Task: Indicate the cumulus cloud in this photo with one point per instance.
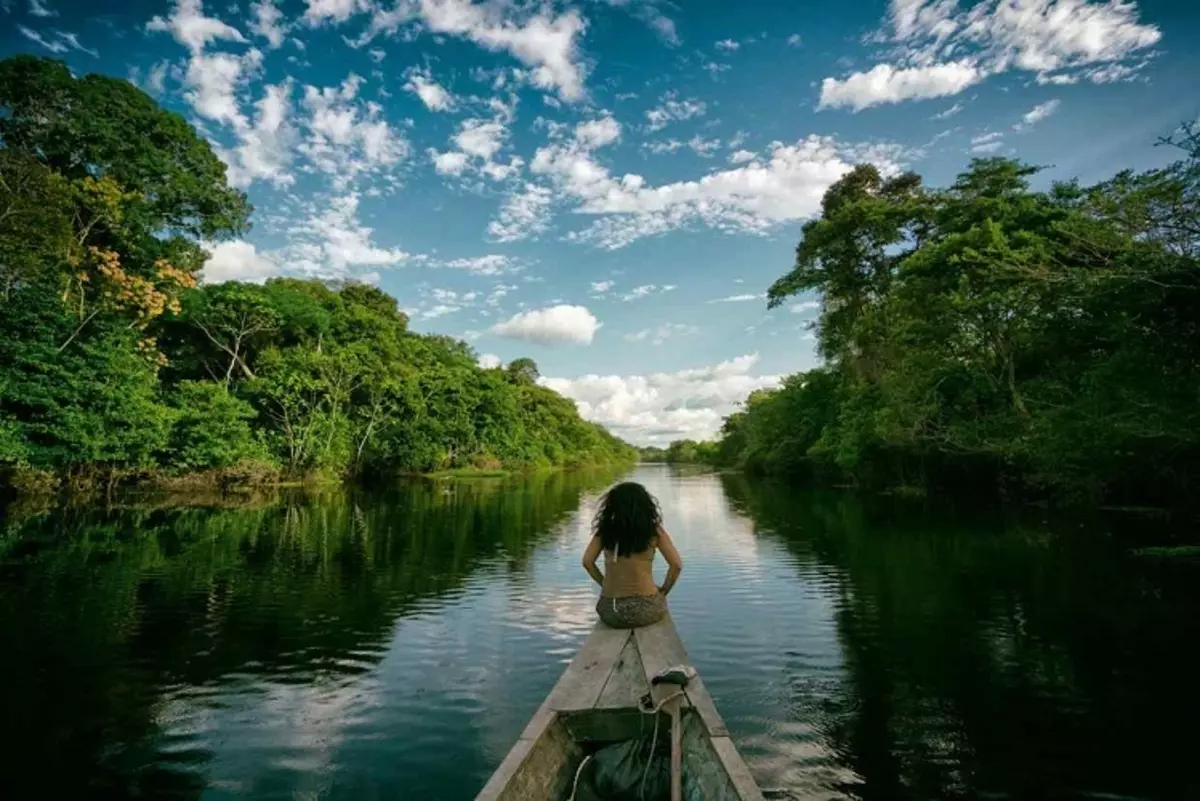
(348, 138)
(267, 22)
(672, 109)
(264, 149)
(1058, 40)
(545, 42)
(525, 214)
(597, 133)
(477, 143)
(600, 287)
(785, 185)
(435, 96)
(728, 45)
(191, 28)
(238, 260)
(334, 242)
(489, 361)
(660, 407)
(551, 326)
(887, 84)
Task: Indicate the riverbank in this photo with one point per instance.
(241, 478)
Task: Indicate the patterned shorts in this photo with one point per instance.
(632, 611)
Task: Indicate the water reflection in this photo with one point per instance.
(394, 644)
(164, 652)
(984, 658)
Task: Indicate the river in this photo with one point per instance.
(392, 644)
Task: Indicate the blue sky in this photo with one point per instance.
(609, 186)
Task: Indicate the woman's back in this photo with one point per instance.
(629, 574)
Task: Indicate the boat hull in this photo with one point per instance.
(596, 702)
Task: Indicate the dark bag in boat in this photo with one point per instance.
(615, 773)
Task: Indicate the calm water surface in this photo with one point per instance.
(393, 644)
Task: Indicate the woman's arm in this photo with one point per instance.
(674, 563)
(590, 555)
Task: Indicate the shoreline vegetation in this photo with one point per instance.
(990, 339)
(118, 368)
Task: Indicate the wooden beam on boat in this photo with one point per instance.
(584, 679)
(660, 648)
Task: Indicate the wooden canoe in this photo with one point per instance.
(596, 702)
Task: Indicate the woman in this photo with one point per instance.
(628, 529)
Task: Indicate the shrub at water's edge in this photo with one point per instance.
(117, 367)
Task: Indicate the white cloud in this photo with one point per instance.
(600, 287)
(478, 141)
(597, 133)
(950, 112)
(489, 361)
(321, 11)
(795, 40)
(34, 36)
(804, 306)
(435, 96)
(671, 109)
(1057, 39)
(648, 12)
(737, 298)
(449, 163)
(156, 78)
(335, 241)
(660, 334)
(238, 260)
(887, 84)
(551, 326)
(491, 264)
(545, 43)
(1037, 114)
(786, 185)
(267, 23)
(987, 142)
(346, 137)
(660, 407)
(39, 9)
(727, 45)
(192, 29)
(525, 214)
(264, 149)
(645, 290)
(213, 80)
(741, 157)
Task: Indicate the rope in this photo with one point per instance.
(653, 738)
(578, 773)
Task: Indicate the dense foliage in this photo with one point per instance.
(990, 335)
(113, 360)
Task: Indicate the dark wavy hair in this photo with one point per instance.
(628, 519)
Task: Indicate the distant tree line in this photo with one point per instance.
(114, 362)
(988, 335)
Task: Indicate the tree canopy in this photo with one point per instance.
(991, 334)
(114, 360)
